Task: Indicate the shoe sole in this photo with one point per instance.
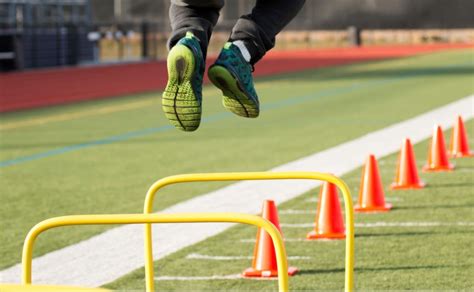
(179, 101)
(234, 98)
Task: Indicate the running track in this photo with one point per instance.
(40, 88)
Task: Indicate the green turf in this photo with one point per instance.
(393, 258)
(302, 113)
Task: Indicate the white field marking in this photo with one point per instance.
(197, 256)
(214, 277)
(106, 257)
(386, 224)
(412, 224)
(312, 200)
(316, 199)
(393, 199)
(464, 169)
(388, 199)
(253, 240)
(199, 278)
(248, 240)
(296, 212)
(297, 225)
(363, 225)
(385, 162)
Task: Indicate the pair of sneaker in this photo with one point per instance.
(182, 98)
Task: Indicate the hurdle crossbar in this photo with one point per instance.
(237, 176)
(156, 218)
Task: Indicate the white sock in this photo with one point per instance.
(243, 50)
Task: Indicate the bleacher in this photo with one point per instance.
(47, 33)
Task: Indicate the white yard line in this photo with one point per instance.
(197, 256)
(316, 199)
(252, 240)
(209, 278)
(203, 278)
(312, 200)
(412, 224)
(297, 225)
(393, 199)
(116, 252)
(465, 170)
(296, 212)
(386, 224)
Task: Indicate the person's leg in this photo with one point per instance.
(196, 16)
(259, 28)
(252, 36)
(192, 23)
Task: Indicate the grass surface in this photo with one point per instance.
(394, 258)
(101, 156)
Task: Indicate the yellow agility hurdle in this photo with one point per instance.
(46, 288)
(202, 177)
(155, 218)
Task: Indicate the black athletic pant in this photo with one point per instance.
(257, 29)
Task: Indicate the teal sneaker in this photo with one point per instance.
(182, 98)
(233, 75)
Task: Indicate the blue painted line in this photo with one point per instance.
(213, 118)
(144, 132)
(74, 147)
(331, 93)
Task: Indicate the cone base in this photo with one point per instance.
(253, 273)
(395, 186)
(428, 168)
(313, 235)
(461, 154)
(372, 209)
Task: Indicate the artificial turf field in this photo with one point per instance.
(387, 258)
(100, 157)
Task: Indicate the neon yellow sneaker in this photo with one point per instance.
(233, 75)
(182, 98)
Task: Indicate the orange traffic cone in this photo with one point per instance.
(459, 146)
(371, 194)
(264, 263)
(437, 157)
(407, 173)
(329, 222)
